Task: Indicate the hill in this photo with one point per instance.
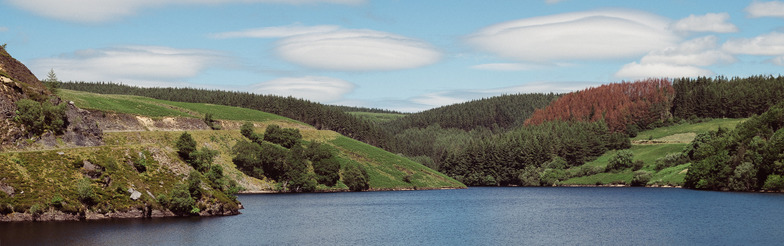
(386, 170)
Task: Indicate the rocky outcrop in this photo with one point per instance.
(82, 130)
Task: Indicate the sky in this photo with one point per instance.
(401, 55)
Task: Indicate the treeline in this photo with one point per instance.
(726, 98)
(429, 136)
(315, 114)
(493, 113)
(532, 155)
(622, 105)
(363, 109)
(749, 158)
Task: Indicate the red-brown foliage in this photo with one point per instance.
(619, 104)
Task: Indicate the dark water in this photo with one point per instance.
(476, 216)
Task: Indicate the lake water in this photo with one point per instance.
(475, 216)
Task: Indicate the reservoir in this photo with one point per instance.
(474, 216)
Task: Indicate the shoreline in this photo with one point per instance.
(57, 215)
(346, 190)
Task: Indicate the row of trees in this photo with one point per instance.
(622, 105)
(720, 97)
(751, 157)
(504, 112)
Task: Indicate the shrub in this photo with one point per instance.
(211, 122)
(670, 160)
(284, 137)
(641, 178)
(84, 191)
(621, 160)
(185, 146)
(181, 201)
(637, 165)
(194, 184)
(57, 201)
(202, 160)
(774, 183)
(551, 177)
(529, 176)
(215, 176)
(356, 178)
(40, 117)
(327, 171)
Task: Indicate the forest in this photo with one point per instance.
(530, 139)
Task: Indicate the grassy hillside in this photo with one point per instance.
(648, 146)
(386, 170)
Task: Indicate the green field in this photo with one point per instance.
(665, 140)
(145, 106)
(696, 128)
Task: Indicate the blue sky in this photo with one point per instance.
(399, 55)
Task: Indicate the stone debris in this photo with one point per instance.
(134, 194)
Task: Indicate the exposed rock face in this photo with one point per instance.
(17, 82)
(82, 129)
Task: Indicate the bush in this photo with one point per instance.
(621, 160)
(670, 160)
(327, 171)
(40, 117)
(185, 146)
(637, 165)
(284, 137)
(211, 122)
(181, 201)
(356, 178)
(84, 191)
(774, 183)
(215, 176)
(194, 184)
(202, 160)
(641, 178)
(57, 201)
(551, 177)
(529, 176)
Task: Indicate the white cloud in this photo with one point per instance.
(711, 22)
(778, 60)
(276, 32)
(591, 35)
(553, 1)
(129, 64)
(356, 50)
(635, 70)
(765, 9)
(104, 10)
(684, 60)
(771, 44)
(320, 89)
(508, 66)
(698, 52)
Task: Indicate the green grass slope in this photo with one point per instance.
(648, 146)
(386, 170)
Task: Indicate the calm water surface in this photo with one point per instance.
(475, 216)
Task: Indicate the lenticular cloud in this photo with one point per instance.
(592, 35)
(356, 50)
